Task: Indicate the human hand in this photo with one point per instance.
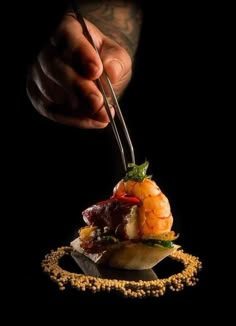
(61, 83)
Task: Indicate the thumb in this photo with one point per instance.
(116, 61)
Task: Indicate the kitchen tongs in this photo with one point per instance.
(110, 100)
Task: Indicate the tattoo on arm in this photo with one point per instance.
(117, 19)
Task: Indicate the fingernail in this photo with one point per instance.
(95, 101)
(93, 68)
(117, 67)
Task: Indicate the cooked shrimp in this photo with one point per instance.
(154, 213)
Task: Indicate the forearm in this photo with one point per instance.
(117, 19)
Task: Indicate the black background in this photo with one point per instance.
(55, 171)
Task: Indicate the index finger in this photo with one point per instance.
(76, 50)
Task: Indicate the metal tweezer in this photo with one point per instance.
(112, 98)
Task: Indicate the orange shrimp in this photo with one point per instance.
(154, 213)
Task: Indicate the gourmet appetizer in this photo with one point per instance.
(132, 229)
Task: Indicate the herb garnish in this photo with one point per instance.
(163, 243)
(137, 172)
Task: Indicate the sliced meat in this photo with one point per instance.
(112, 213)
